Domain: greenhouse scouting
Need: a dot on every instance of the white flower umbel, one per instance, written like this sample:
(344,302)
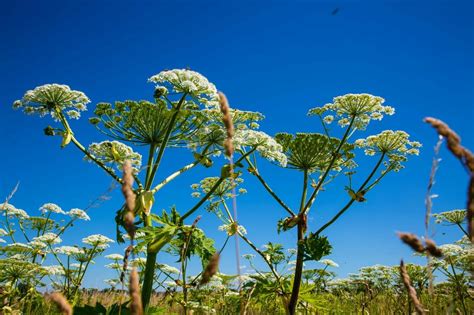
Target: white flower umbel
(79,214)
(232,228)
(97,240)
(10,210)
(189,82)
(264,144)
(48,98)
(48,238)
(394,144)
(168,269)
(328,262)
(115,257)
(54,270)
(68,250)
(115,152)
(37,244)
(51,207)
(359,108)
(456,216)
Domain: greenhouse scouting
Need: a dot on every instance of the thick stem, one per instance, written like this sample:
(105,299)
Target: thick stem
(300,251)
(298,272)
(147,287)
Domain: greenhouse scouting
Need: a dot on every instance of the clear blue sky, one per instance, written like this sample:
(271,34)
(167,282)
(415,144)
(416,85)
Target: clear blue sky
(279,58)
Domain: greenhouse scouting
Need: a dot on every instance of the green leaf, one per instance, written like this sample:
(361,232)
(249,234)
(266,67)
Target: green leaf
(315,247)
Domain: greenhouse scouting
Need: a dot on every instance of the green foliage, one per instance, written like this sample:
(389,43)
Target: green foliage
(195,242)
(315,247)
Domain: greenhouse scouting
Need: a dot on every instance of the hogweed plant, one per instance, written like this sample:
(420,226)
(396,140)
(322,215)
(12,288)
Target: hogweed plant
(321,157)
(184,114)
(32,255)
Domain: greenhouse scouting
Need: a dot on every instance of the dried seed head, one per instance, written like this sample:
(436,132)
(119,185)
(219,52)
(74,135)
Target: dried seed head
(453,142)
(127,186)
(129,220)
(466,157)
(413,241)
(431,248)
(229,125)
(211,268)
(125,262)
(61,302)
(411,291)
(136,307)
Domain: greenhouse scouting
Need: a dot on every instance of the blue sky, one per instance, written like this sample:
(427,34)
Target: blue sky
(279,58)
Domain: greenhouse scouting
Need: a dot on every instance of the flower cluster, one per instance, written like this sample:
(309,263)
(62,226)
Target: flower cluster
(48,98)
(359,109)
(189,82)
(115,152)
(232,228)
(78,214)
(54,270)
(168,269)
(394,144)
(48,238)
(51,207)
(115,257)
(68,250)
(97,240)
(11,210)
(328,262)
(224,190)
(264,144)
(456,216)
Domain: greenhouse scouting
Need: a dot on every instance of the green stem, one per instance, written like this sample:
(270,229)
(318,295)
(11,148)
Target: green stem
(213,188)
(151,154)
(174,175)
(147,286)
(267,187)
(328,169)
(462,229)
(300,251)
(82,148)
(458,288)
(165,141)
(360,190)
(258,251)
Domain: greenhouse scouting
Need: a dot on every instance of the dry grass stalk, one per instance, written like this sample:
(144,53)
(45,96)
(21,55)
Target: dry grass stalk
(60,301)
(128,251)
(454,142)
(413,241)
(211,269)
(429,196)
(136,307)
(130,197)
(229,125)
(430,247)
(467,159)
(411,290)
